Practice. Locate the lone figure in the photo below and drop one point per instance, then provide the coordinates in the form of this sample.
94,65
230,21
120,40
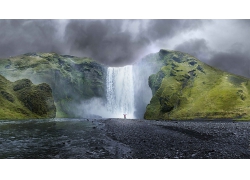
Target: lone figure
124,116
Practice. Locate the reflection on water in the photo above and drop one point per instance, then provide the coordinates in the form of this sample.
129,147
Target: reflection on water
57,138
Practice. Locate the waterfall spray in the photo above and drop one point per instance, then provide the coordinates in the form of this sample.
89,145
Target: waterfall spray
120,91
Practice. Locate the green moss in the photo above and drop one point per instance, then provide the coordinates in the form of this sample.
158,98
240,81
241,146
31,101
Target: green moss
68,76
60,113
191,89
7,96
23,100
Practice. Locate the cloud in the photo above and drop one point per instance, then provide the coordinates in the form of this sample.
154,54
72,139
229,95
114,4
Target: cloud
121,42
22,36
105,41
222,43
159,29
195,47
112,42
235,59
236,62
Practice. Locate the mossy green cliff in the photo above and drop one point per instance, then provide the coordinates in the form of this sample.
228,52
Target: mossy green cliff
22,100
186,88
72,79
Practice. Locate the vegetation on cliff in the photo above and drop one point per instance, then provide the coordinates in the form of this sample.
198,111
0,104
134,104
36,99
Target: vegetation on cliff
182,86
72,79
23,100
186,88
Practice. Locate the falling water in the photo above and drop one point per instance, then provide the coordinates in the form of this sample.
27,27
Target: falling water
120,91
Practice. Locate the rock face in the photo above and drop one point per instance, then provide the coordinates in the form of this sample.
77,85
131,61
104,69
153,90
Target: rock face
72,79
186,88
22,100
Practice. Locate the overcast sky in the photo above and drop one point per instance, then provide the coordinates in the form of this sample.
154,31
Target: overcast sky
221,43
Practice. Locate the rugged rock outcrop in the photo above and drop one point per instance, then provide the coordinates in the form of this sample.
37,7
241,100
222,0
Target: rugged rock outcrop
186,88
22,99
72,79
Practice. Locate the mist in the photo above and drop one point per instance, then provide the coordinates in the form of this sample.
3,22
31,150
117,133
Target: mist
91,108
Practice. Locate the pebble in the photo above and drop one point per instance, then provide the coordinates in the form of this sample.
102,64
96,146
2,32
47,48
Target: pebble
193,155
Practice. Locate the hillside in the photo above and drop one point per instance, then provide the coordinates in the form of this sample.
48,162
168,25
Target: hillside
72,79
23,100
182,86
186,88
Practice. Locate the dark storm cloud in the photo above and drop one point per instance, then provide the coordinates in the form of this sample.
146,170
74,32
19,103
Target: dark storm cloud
108,42
112,42
121,42
104,41
235,60
195,47
163,28
22,36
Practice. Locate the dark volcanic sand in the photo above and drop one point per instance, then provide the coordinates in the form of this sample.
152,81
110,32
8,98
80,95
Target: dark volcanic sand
181,139
123,138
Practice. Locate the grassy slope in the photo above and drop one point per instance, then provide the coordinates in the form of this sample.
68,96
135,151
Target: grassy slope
71,78
186,88
17,103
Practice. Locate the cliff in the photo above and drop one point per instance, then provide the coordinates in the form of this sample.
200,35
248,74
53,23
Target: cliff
72,79
23,100
186,88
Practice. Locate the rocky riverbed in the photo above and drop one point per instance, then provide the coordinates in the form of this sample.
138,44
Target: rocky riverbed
124,138
182,139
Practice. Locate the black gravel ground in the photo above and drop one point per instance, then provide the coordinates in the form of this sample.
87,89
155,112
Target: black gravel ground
200,139
124,138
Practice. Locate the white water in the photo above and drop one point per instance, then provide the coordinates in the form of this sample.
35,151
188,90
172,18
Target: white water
120,92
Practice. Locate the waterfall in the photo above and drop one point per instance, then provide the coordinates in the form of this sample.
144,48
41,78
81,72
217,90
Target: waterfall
120,92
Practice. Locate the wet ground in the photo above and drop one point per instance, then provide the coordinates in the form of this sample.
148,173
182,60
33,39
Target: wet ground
183,139
119,138
56,138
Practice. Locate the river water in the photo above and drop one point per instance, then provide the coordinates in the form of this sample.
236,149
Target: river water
57,138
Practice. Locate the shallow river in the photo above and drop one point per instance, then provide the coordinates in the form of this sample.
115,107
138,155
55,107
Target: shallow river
57,138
